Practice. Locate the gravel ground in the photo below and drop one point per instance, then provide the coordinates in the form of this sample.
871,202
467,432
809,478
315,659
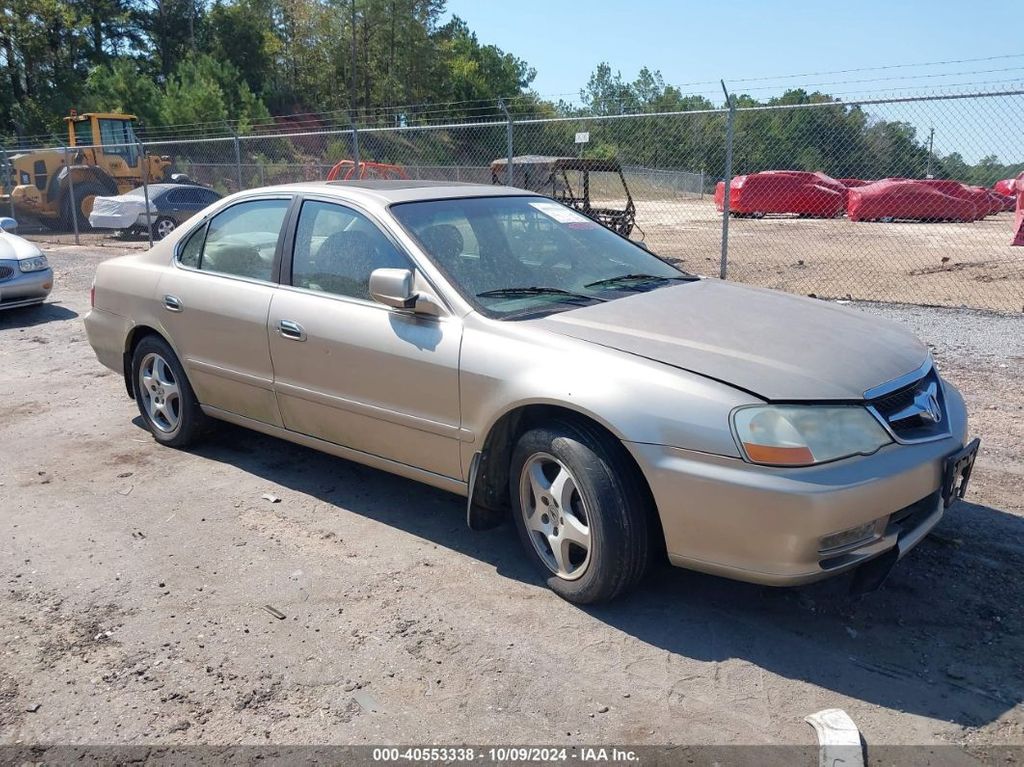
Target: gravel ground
960,335
135,580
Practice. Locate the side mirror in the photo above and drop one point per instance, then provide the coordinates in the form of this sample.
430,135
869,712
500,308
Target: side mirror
393,287
8,224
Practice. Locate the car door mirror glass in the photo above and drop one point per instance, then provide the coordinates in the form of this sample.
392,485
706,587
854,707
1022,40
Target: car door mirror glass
393,287
8,224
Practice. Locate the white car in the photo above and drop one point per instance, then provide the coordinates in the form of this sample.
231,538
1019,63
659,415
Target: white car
25,276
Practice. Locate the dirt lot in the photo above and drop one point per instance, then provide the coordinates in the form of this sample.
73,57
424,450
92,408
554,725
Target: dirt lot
944,264
134,580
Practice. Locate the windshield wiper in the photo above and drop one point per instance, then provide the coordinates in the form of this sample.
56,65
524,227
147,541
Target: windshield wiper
537,291
634,281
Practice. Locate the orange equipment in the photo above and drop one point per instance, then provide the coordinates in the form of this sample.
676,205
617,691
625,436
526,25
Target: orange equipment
346,171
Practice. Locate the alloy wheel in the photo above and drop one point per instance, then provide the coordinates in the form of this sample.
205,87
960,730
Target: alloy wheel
555,515
164,227
161,395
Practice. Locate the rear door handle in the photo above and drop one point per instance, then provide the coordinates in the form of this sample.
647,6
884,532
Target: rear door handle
172,303
291,330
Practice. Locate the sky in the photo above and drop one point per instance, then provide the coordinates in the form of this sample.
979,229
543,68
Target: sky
754,46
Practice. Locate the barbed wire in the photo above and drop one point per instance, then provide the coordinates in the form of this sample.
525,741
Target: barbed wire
471,110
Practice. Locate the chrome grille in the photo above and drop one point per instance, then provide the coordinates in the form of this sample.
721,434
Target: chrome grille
6,272
916,412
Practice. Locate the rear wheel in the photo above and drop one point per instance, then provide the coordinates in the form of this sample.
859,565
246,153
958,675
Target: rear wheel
163,227
164,396
581,511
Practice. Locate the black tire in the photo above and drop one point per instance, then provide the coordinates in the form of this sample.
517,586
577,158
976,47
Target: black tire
83,192
161,225
190,420
614,499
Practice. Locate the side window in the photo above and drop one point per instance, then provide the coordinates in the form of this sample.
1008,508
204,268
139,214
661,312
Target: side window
83,133
186,196
174,197
39,168
336,248
192,249
241,240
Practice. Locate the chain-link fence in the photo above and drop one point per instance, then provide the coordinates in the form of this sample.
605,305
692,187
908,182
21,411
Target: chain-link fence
883,200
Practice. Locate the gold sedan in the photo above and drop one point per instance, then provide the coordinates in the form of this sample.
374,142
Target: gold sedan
499,345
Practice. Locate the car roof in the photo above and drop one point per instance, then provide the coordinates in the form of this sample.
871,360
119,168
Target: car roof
402,190
155,189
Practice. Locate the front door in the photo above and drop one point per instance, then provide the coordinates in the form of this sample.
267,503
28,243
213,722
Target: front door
351,371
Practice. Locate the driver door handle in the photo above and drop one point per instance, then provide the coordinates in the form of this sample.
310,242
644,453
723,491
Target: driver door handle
172,303
291,330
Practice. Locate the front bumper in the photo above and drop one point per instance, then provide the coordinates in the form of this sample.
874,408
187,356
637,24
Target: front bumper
766,525
25,288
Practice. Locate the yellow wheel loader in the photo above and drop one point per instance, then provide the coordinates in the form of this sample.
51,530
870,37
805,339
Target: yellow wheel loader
104,160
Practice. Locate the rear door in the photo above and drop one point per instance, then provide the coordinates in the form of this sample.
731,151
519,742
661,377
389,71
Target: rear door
172,204
181,204
216,302
351,371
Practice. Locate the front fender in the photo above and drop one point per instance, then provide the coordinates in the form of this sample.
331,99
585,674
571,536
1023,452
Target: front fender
510,365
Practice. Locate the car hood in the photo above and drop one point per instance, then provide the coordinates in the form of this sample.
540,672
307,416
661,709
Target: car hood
774,345
14,248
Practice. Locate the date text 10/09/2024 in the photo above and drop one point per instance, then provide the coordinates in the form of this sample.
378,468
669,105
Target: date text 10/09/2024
502,754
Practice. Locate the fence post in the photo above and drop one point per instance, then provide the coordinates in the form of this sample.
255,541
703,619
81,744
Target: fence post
508,139
724,265
238,160
355,149
8,185
145,191
71,192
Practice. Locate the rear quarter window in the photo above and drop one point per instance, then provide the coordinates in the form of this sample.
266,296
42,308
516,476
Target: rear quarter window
190,253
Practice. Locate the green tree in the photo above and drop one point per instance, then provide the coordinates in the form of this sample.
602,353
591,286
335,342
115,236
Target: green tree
121,86
207,94
173,28
241,33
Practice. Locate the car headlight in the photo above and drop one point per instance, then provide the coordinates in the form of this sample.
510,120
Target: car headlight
34,264
802,435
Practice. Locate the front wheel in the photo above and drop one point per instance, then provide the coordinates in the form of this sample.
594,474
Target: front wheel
85,194
581,511
164,396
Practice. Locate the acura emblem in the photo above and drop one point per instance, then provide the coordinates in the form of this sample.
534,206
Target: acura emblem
925,406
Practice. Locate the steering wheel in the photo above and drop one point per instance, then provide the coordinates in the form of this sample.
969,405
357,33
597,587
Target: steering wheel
567,257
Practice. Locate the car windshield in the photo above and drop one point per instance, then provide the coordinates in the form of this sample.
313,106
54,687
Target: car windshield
517,257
